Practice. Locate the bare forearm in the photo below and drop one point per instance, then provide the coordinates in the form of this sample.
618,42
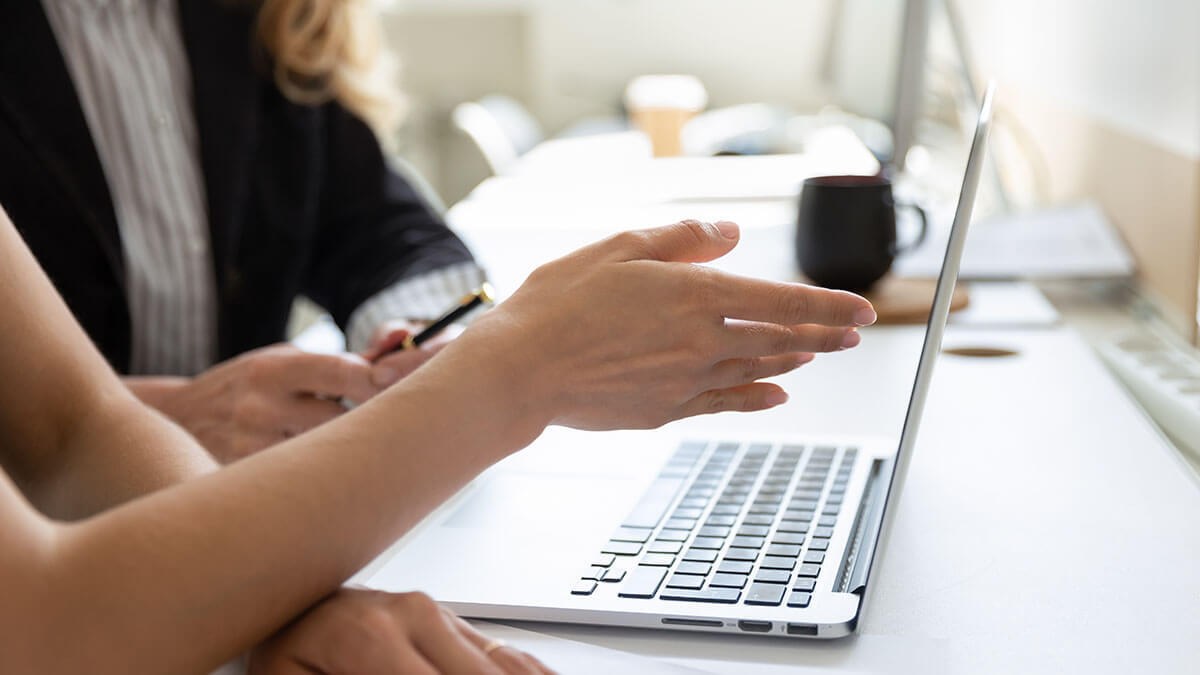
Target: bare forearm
295,521
116,452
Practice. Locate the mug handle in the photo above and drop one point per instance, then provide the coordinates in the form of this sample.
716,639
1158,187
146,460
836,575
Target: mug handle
897,249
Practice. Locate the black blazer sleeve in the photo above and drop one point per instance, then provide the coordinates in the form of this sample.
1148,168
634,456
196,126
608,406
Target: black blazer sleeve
373,228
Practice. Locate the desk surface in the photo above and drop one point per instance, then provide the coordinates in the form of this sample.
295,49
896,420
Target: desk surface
1046,524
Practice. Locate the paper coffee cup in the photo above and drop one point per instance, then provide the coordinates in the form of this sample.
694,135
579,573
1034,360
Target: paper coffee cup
659,106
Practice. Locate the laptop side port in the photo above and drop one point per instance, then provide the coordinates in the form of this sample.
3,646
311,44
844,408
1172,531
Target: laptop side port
802,629
755,626
705,623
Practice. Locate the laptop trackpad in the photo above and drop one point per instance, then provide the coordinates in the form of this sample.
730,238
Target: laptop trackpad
521,502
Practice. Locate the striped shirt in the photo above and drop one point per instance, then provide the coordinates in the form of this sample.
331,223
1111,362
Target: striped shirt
131,74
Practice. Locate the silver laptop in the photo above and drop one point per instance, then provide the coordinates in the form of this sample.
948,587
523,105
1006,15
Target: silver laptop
774,537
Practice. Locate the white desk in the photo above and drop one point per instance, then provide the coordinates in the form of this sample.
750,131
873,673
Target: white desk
1046,526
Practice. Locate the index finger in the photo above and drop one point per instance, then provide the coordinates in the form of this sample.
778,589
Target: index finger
786,303
332,375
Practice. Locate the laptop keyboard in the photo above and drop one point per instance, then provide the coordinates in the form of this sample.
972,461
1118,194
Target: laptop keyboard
752,526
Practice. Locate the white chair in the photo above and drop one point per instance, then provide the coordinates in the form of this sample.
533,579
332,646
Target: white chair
500,127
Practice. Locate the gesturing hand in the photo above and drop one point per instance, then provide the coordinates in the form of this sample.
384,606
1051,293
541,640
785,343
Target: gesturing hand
628,332
264,396
356,632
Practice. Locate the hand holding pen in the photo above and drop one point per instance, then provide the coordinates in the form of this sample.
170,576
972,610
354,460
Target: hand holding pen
400,347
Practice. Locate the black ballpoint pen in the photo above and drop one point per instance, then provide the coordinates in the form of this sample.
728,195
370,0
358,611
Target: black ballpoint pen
484,295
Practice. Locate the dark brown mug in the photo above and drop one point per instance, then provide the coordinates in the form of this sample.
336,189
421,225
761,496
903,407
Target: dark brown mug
846,230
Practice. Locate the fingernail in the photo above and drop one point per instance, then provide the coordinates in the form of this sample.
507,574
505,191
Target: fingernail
776,397
851,339
727,229
805,358
865,316
384,376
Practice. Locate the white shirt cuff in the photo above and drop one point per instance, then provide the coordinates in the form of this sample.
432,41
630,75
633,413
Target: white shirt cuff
427,296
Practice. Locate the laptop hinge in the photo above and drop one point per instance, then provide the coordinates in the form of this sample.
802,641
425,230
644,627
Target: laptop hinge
860,549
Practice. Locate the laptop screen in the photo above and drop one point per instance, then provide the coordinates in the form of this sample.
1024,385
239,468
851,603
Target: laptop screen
896,470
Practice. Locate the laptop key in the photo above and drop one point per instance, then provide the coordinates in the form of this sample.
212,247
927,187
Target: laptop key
634,534
786,550
798,526
766,576
604,560
713,531
748,542
814,558
693,503
700,555
584,587
687,513
722,595
594,573
754,531
827,521
685,581
759,519
777,562
809,571
642,582
728,580
818,545
622,548
657,560
674,535
799,599
788,538
694,568
822,533
665,547
748,554
804,584
727,509
801,515
612,574
735,567
715,543
680,524
720,521
765,594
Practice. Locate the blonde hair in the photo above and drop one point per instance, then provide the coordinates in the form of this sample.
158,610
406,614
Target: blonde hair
323,50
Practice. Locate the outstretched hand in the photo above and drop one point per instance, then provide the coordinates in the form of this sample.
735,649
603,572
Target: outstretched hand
629,333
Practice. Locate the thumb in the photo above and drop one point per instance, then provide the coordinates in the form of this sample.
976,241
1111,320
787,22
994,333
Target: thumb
685,241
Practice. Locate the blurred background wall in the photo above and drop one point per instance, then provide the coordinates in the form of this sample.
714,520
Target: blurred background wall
1109,93
1103,99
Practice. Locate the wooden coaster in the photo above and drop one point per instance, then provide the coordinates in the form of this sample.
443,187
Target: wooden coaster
902,301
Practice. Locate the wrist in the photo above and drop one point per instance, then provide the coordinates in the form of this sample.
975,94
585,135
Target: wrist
499,382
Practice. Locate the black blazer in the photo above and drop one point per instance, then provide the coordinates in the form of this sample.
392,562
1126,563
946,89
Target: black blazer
300,199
